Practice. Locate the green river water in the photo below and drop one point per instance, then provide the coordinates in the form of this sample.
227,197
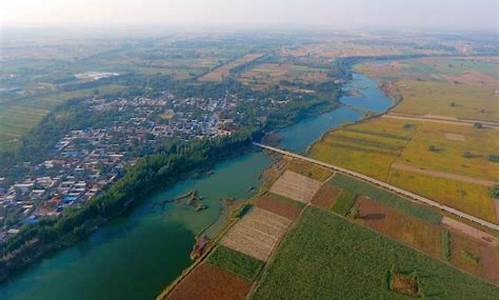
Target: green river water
138,254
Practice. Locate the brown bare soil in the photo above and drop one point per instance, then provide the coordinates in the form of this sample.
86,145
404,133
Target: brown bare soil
208,282
268,202
407,285
399,226
326,196
296,186
486,265
256,233
469,230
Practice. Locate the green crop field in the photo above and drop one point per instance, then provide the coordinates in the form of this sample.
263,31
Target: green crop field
326,257
235,262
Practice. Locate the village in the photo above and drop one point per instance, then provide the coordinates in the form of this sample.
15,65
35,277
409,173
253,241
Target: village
87,160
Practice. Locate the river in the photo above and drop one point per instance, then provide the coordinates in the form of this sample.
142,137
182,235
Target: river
137,255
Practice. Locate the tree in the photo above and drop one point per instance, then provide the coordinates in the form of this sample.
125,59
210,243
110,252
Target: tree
494,192
433,148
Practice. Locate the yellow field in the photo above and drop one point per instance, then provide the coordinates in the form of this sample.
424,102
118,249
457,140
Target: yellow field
456,87
462,101
220,73
452,141
369,147
445,162
470,198
310,170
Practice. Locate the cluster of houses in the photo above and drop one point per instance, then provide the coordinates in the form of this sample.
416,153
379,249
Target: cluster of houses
86,160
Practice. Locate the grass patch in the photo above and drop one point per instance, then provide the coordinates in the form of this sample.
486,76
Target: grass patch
235,262
386,198
344,202
326,257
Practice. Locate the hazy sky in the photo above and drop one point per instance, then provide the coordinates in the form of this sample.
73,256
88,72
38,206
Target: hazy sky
462,14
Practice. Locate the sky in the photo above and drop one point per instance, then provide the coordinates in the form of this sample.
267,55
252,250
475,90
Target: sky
340,14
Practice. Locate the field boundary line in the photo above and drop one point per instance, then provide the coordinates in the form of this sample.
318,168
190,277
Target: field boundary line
463,122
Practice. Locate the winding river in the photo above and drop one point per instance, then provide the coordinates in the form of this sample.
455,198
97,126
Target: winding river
137,255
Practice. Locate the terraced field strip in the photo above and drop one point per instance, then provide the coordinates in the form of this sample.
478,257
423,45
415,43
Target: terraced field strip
446,175
295,186
411,196
257,233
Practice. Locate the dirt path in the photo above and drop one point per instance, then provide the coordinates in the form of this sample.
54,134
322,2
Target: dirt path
474,180
440,120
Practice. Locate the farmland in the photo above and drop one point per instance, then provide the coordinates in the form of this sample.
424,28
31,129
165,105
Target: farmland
449,163
235,262
256,233
210,282
474,256
266,75
312,171
399,226
313,263
279,205
326,196
463,88
296,187
444,99
355,186
368,147
219,73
